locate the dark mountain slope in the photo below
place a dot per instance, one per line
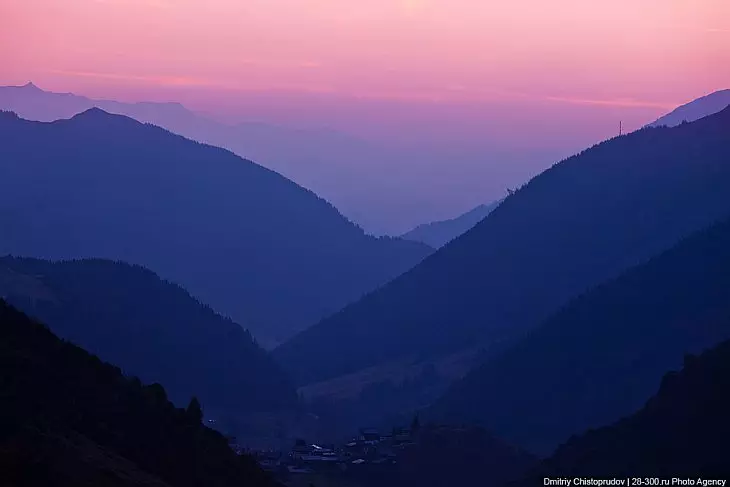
(696, 109)
(603, 354)
(151, 328)
(681, 432)
(438, 234)
(69, 419)
(581, 222)
(445, 456)
(243, 239)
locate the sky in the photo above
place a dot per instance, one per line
(500, 89)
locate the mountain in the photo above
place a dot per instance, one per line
(696, 109)
(681, 432)
(365, 180)
(250, 243)
(317, 159)
(604, 353)
(151, 329)
(438, 234)
(444, 456)
(581, 222)
(70, 420)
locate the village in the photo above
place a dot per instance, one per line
(369, 454)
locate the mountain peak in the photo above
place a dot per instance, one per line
(93, 112)
(97, 115)
(30, 86)
(702, 107)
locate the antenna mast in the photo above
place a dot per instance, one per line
(620, 128)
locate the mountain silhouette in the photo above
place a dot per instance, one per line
(581, 222)
(69, 420)
(603, 354)
(361, 178)
(680, 432)
(444, 456)
(243, 239)
(150, 328)
(438, 234)
(696, 109)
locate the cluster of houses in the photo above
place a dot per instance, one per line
(370, 450)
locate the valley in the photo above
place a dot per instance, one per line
(299, 243)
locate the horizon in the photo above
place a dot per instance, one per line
(391, 243)
(501, 92)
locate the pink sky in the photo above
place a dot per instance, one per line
(537, 76)
(632, 55)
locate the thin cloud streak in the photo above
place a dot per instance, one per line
(624, 103)
(184, 81)
(458, 94)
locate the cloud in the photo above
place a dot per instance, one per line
(187, 81)
(617, 102)
(159, 80)
(451, 93)
(160, 4)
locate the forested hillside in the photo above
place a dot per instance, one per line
(70, 420)
(681, 432)
(603, 354)
(241, 238)
(585, 220)
(150, 328)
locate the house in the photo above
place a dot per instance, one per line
(370, 435)
(301, 449)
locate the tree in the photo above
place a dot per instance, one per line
(415, 424)
(194, 410)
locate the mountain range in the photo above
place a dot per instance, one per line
(150, 328)
(437, 234)
(604, 353)
(364, 179)
(253, 245)
(70, 420)
(583, 221)
(696, 109)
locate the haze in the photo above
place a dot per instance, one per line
(481, 94)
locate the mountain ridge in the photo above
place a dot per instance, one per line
(254, 245)
(343, 168)
(71, 420)
(581, 222)
(439, 233)
(603, 353)
(151, 328)
(699, 108)
(679, 432)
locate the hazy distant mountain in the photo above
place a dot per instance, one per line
(601, 356)
(581, 222)
(681, 432)
(151, 328)
(70, 420)
(245, 240)
(360, 178)
(694, 110)
(438, 234)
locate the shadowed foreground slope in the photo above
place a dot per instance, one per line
(69, 420)
(681, 432)
(150, 328)
(602, 355)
